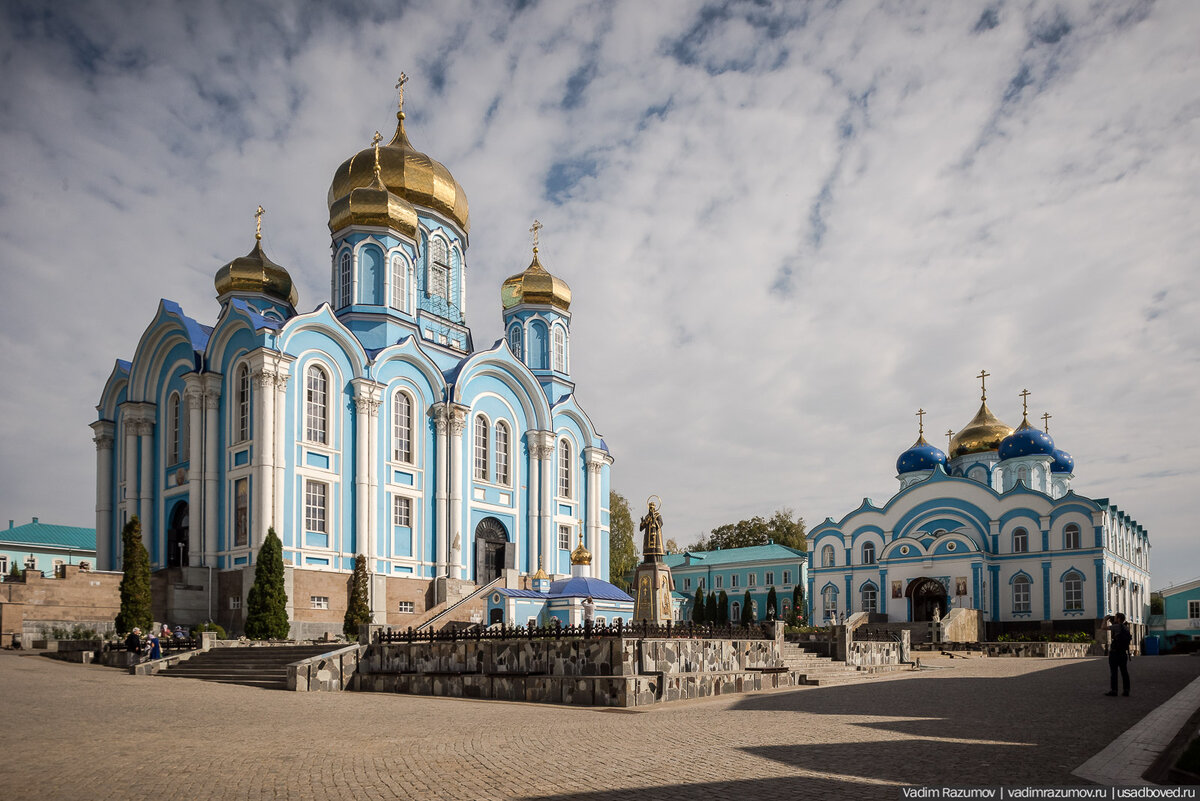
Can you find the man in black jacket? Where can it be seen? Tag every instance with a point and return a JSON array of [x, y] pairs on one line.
[[1118, 651], [133, 644]]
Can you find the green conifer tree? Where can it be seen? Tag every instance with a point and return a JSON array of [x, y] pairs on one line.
[[358, 611], [710, 609], [266, 605], [747, 610], [772, 605], [15, 570], [698, 606], [135, 584], [723, 608], [798, 607]]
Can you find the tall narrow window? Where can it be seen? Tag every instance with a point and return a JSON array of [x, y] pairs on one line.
[[1073, 592], [185, 432], [560, 349], [827, 556], [502, 438], [439, 269], [173, 422], [1071, 536], [401, 511], [315, 493], [564, 468], [1021, 594], [399, 284], [829, 601], [868, 553], [481, 447], [241, 512], [344, 282], [401, 427], [564, 537], [316, 389], [243, 404], [869, 598], [514, 340], [787, 578], [1020, 541]]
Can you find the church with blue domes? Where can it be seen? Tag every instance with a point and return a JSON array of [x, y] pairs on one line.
[[369, 425], [993, 525]]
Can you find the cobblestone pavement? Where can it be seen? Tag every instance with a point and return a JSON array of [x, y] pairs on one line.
[[89, 732]]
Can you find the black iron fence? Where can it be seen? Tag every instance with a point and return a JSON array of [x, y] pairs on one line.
[[557, 631]]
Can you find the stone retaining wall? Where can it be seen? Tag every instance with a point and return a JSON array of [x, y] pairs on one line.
[[870, 655], [331, 672], [1050, 650]]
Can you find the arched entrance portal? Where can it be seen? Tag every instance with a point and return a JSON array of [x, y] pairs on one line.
[[491, 550], [177, 536], [927, 595]]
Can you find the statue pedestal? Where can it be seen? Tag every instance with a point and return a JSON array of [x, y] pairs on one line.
[[652, 593]]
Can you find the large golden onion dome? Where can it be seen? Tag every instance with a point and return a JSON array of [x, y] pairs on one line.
[[535, 285], [374, 204], [405, 172], [581, 556], [984, 433], [254, 272]]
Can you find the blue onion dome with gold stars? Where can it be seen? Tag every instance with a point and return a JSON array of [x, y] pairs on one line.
[[1063, 462], [1027, 440], [921, 456]]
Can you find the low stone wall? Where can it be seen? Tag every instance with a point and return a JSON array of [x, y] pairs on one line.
[[872, 656], [1048, 650], [330, 672]]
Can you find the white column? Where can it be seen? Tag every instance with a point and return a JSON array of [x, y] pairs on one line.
[[264, 456], [441, 422], [361, 545], [534, 499], [129, 453], [458, 421], [378, 594], [194, 396], [279, 518], [146, 483], [104, 494], [594, 462], [545, 454], [212, 465]]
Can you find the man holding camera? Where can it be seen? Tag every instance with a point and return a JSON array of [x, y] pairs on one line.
[[1118, 651]]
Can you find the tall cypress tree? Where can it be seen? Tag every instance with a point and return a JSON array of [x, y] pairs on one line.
[[747, 610], [135, 584], [698, 606], [772, 605], [266, 605], [710, 609], [357, 611], [723, 608], [798, 606]]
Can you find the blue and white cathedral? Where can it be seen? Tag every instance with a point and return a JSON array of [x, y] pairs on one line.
[[993, 526], [369, 425]]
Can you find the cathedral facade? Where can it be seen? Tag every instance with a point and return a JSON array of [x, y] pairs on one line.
[[369, 425], [993, 526]]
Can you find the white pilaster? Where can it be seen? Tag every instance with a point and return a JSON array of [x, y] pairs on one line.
[[194, 396], [212, 465], [263, 483], [534, 499], [458, 421], [103, 437], [595, 459], [544, 450], [279, 516], [129, 453], [366, 407], [146, 483], [441, 422]]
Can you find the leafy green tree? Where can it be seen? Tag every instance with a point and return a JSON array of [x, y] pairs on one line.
[[622, 551], [723, 608], [711, 615], [798, 607], [135, 584], [266, 605], [357, 611], [747, 610], [15, 570], [698, 606], [781, 528], [671, 546], [1157, 603], [772, 612]]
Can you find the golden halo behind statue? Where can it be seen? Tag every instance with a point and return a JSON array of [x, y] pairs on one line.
[[650, 502]]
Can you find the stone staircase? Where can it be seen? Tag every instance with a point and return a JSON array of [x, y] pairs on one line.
[[261, 666], [819, 670]]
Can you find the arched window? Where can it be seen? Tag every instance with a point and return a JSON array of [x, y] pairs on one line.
[[401, 427], [1023, 475], [344, 282], [173, 423], [514, 340], [870, 596], [399, 284], [1073, 592], [559, 338], [737, 612], [564, 469], [829, 601], [502, 439], [481, 447], [316, 402], [439, 269], [1071, 538], [1021, 595], [1020, 541], [827, 556], [868, 553], [243, 403]]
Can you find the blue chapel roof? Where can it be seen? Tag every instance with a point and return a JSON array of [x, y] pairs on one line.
[[124, 365], [197, 333], [51, 535], [574, 587]]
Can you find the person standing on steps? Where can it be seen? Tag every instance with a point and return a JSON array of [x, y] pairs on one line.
[[1118, 651]]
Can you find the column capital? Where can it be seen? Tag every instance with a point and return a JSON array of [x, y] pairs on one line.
[[457, 414], [596, 458], [212, 384], [541, 443], [438, 412], [103, 434]]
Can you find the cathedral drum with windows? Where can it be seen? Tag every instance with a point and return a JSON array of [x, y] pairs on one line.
[[369, 425], [994, 527]]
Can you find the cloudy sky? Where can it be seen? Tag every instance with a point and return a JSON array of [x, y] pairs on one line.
[[786, 226]]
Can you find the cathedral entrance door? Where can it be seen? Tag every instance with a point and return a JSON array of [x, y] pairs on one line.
[[491, 550], [927, 595], [177, 537]]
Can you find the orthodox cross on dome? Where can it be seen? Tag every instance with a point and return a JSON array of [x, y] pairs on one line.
[[534, 229], [1024, 402], [949, 436], [983, 375], [258, 215], [921, 414], [400, 88], [375, 140], [1046, 421]]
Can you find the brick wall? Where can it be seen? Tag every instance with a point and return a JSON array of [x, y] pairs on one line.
[[36, 603]]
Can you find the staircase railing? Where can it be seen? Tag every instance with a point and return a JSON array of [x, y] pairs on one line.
[[479, 591]]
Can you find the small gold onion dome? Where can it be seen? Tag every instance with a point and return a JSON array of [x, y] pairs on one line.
[[540, 575], [581, 556], [535, 285], [405, 172], [983, 433], [373, 204], [254, 272]]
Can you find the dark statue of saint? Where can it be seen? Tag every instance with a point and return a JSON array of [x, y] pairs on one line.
[[652, 543]]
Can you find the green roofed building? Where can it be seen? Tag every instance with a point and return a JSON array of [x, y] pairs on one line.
[[757, 568], [45, 546]]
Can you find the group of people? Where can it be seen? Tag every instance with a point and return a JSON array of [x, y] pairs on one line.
[[151, 646]]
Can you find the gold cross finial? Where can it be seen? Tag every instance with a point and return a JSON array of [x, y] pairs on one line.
[[949, 436], [534, 229], [921, 415], [258, 222], [400, 88], [1046, 421], [1024, 402], [983, 375], [375, 140]]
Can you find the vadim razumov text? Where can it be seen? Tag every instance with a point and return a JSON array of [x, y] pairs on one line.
[[1016, 793]]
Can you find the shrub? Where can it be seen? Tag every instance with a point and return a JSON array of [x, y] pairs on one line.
[[723, 608], [210, 626], [747, 610], [357, 611], [772, 605], [710, 610], [698, 606]]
